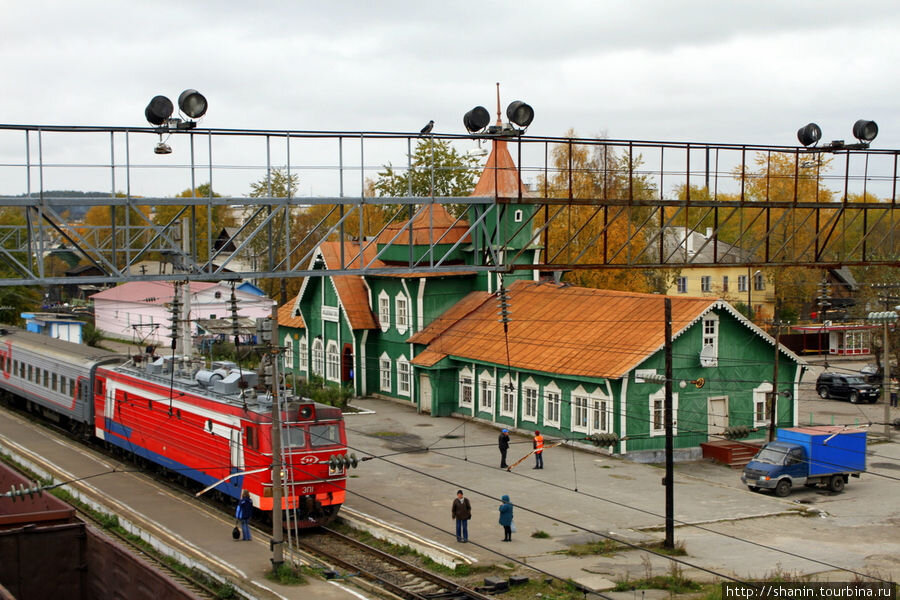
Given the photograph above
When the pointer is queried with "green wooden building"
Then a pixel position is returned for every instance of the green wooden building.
(570, 362)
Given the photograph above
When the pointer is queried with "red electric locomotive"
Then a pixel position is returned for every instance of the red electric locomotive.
(212, 426)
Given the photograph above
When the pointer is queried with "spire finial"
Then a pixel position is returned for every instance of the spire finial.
(499, 117)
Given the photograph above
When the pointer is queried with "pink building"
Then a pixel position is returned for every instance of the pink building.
(140, 311)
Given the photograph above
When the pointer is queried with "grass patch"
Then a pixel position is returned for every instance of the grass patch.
(603, 547)
(386, 434)
(286, 574)
(674, 582)
(540, 534)
(678, 550)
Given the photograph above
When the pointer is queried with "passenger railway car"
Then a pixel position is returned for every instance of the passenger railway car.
(212, 426)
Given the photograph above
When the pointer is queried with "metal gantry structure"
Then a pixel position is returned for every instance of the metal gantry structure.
(591, 203)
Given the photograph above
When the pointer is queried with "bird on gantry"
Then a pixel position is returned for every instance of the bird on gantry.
(427, 129)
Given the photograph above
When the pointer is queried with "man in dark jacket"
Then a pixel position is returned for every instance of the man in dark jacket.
(503, 444)
(462, 512)
(243, 512)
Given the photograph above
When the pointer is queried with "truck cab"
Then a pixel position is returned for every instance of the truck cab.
(777, 464)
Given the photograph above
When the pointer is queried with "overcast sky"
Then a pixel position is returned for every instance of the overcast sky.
(716, 71)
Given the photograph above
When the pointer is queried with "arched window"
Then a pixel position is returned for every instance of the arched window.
(333, 359)
(288, 352)
(303, 355)
(318, 358)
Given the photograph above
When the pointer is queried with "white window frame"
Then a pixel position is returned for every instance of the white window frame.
(710, 337)
(600, 415)
(466, 388)
(759, 282)
(332, 362)
(401, 313)
(288, 357)
(759, 404)
(552, 405)
(581, 403)
(404, 377)
(681, 285)
(487, 392)
(531, 395)
(706, 283)
(508, 398)
(517, 216)
(318, 358)
(657, 406)
(384, 373)
(384, 311)
(742, 283)
(303, 355)
(724, 283)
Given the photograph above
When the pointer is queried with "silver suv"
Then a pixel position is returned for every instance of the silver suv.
(846, 387)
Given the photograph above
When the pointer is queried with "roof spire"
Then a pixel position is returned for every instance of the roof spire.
(499, 117)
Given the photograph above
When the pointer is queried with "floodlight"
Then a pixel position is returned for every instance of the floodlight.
(159, 110)
(192, 103)
(476, 119)
(809, 134)
(865, 131)
(520, 113)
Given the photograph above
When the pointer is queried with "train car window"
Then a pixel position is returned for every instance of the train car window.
(46, 378)
(99, 387)
(324, 435)
(29, 373)
(15, 367)
(293, 437)
(251, 438)
(53, 382)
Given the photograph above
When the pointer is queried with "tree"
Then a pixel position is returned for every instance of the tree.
(592, 233)
(435, 169)
(201, 219)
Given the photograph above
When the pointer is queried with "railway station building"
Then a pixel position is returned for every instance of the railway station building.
(569, 361)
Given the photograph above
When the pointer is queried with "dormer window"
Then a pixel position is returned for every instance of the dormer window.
(709, 352)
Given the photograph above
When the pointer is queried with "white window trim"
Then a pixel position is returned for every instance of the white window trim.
(600, 403)
(759, 397)
(384, 373)
(332, 362)
(552, 388)
(531, 384)
(681, 289)
(706, 283)
(465, 377)
(318, 358)
(303, 355)
(508, 390)
(487, 388)
(384, 316)
(581, 401)
(288, 357)
(713, 355)
(661, 396)
(742, 283)
(404, 367)
(402, 327)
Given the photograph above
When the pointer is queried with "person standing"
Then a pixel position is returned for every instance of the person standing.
(506, 518)
(538, 450)
(893, 391)
(462, 512)
(503, 444)
(243, 512)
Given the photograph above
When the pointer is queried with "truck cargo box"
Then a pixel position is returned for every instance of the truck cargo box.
(830, 449)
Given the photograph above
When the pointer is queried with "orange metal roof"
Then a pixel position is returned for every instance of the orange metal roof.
(432, 223)
(351, 289)
(470, 302)
(286, 316)
(500, 177)
(562, 329)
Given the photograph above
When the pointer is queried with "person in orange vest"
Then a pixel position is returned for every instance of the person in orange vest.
(538, 450)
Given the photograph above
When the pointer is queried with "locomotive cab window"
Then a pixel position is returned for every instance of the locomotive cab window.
(251, 438)
(98, 385)
(324, 435)
(293, 437)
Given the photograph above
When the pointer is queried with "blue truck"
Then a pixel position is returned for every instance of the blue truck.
(812, 456)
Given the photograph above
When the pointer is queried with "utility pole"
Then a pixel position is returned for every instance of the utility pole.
(773, 396)
(277, 542)
(667, 416)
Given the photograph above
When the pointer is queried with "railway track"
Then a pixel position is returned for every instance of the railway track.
(394, 574)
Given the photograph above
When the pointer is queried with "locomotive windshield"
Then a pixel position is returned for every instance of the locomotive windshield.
(293, 437)
(324, 435)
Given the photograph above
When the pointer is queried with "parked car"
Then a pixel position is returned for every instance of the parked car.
(846, 387)
(874, 373)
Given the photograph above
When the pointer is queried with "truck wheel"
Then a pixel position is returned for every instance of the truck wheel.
(783, 488)
(836, 484)
(823, 392)
(753, 488)
(854, 398)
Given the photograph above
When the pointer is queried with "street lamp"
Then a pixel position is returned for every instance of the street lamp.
(863, 130)
(519, 114)
(191, 103)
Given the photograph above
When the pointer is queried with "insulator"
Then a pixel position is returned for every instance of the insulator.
(354, 462)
